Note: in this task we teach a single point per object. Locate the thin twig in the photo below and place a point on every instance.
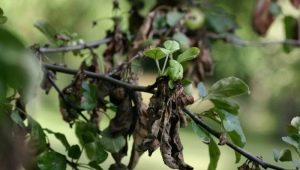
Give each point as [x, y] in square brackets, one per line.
[229, 38]
[88, 45]
[63, 96]
[149, 89]
[243, 152]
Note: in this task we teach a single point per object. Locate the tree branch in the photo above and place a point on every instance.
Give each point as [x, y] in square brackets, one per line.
[57, 68]
[243, 152]
[229, 38]
[94, 44]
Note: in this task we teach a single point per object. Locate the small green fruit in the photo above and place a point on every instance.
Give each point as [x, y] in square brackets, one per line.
[194, 19]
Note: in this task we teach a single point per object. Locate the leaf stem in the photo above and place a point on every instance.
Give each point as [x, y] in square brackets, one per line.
[158, 67]
[165, 64]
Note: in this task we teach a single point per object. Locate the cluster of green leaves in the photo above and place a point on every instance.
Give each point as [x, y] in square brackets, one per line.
[216, 104]
[174, 70]
[293, 140]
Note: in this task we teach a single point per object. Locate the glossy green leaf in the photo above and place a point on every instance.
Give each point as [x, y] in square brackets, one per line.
[232, 126]
[89, 92]
[188, 54]
[37, 136]
[291, 31]
[173, 17]
[214, 155]
[175, 70]
[171, 45]
[47, 30]
[285, 155]
[95, 152]
[182, 39]
[52, 160]
[155, 53]
[226, 104]
[112, 144]
[61, 137]
[228, 87]
[74, 152]
[201, 133]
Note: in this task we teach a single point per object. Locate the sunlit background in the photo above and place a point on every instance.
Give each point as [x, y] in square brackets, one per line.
[272, 75]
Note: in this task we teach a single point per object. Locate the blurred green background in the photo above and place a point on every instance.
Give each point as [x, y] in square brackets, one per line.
[272, 75]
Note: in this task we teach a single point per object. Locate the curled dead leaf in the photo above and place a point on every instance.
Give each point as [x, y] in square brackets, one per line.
[262, 17]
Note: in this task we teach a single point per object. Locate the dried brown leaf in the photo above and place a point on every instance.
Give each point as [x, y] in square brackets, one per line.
[295, 3]
[262, 17]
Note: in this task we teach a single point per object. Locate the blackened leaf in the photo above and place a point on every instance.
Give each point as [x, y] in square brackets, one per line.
[188, 54]
[201, 89]
[95, 165]
[171, 45]
[291, 32]
[155, 53]
[285, 155]
[214, 155]
[47, 30]
[112, 144]
[226, 104]
[52, 160]
[228, 87]
[95, 152]
[182, 39]
[173, 17]
[201, 133]
[89, 100]
[37, 136]
[74, 152]
[61, 137]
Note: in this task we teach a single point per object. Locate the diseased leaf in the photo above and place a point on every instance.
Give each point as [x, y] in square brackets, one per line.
[173, 17]
[228, 87]
[155, 53]
[74, 152]
[188, 54]
[89, 100]
[52, 160]
[285, 155]
[171, 45]
[201, 133]
[95, 152]
[214, 155]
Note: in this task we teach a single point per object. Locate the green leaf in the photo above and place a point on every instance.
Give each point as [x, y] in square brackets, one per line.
[276, 154]
[95, 165]
[188, 87]
[173, 17]
[47, 30]
[291, 31]
[95, 152]
[61, 137]
[228, 87]
[37, 136]
[171, 45]
[15, 116]
[201, 89]
[155, 53]
[112, 144]
[220, 21]
[296, 122]
[175, 70]
[89, 92]
[1, 11]
[52, 160]
[85, 132]
[201, 133]
[74, 152]
[232, 126]
[293, 141]
[182, 39]
[225, 104]
[3, 19]
[214, 155]
[188, 54]
[285, 155]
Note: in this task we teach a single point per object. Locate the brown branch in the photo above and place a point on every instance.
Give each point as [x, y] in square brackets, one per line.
[243, 152]
[229, 38]
[57, 68]
[88, 45]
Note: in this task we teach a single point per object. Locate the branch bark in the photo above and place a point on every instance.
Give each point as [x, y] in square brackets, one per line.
[243, 152]
[88, 45]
